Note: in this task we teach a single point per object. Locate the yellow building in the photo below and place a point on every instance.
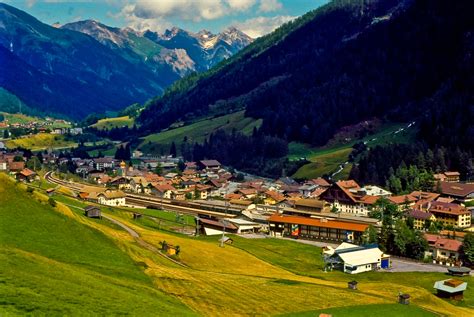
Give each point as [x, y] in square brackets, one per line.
[420, 218]
[449, 214]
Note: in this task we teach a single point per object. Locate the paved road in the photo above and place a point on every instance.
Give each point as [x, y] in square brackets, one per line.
[132, 232]
[399, 265]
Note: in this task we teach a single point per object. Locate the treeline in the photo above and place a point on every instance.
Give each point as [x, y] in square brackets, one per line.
[397, 236]
[256, 154]
[406, 167]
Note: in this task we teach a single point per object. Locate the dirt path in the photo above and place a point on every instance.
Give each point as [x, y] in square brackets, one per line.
[135, 235]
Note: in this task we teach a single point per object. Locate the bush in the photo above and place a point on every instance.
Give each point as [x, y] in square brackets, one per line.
[52, 202]
[30, 190]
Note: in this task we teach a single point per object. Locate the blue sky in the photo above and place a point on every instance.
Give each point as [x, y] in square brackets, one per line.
[255, 17]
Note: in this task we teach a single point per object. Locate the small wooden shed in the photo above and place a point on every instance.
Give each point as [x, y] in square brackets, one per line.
[137, 215]
[50, 191]
[352, 285]
[92, 212]
[404, 299]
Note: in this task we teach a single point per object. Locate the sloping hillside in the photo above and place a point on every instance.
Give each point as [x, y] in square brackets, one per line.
[87, 67]
[347, 62]
[53, 265]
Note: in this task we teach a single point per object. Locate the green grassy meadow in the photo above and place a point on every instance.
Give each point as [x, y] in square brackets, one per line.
[307, 260]
[386, 310]
[197, 132]
[54, 261]
[40, 141]
[326, 159]
[110, 123]
[53, 265]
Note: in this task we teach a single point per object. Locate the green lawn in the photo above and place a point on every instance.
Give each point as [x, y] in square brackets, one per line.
[386, 310]
[53, 265]
[306, 260]
[198, 132]
[165, 220]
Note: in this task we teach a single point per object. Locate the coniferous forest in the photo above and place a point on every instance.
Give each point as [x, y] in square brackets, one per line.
[342, 64]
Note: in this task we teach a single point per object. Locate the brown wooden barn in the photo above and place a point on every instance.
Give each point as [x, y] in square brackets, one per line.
[92, 212]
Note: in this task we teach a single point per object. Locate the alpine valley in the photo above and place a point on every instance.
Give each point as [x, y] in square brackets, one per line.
[325, 168]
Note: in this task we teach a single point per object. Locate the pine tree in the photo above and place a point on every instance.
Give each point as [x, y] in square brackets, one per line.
[173, 149]
[467, 250]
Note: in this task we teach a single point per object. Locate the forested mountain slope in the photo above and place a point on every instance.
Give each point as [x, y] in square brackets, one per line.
[86, 67]
[347, 62]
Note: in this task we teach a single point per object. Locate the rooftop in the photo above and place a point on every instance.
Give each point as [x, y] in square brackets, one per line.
[460, 190]
[451, 286]
[325, 223]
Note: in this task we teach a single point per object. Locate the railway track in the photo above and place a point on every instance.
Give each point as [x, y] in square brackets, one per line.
[153, 202]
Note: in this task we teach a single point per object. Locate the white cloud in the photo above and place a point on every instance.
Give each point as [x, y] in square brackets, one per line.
[259, 26]
[135, 22]
[269, 5]
[183, 9]
[241, 5]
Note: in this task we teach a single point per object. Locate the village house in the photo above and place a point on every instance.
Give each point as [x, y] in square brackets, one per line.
[349, 197]
[450, 177]
[111, 198]
[449, 214]
[104, 179]
[209, 165]
[120, 182]
[163, 191]
[201, 191]
[272, 197]
[25, 175]
[409, 201]
[403, 202]
[83, 170]
[353, 259]
[15, 167]
[103, 163]
[421, 219]
[452, 234]
[460, 192]
[139, 185]
[3, 165]
[320, 182]
[306, 190]
[442, 250]
[248, 193]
